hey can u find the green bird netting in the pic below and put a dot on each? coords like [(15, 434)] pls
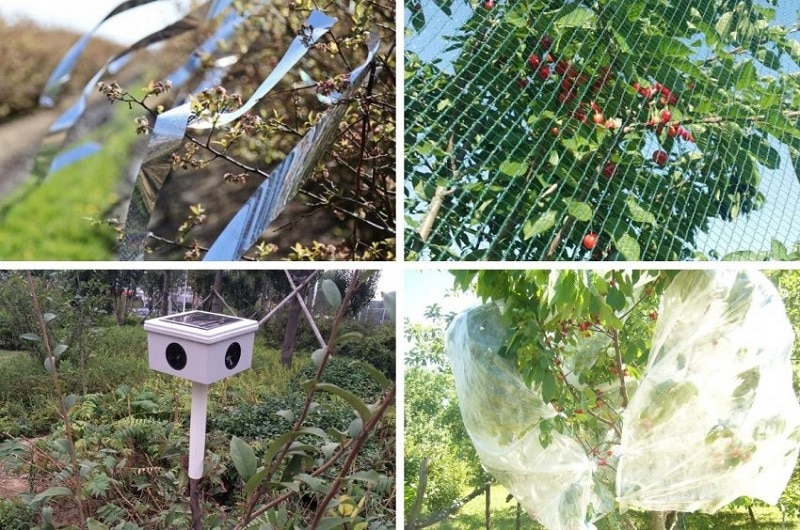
[(606, 129)]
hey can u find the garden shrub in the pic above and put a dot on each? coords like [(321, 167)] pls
[(376, 346), (27, 52), (22, 379), (14, 515), (342, 372), (262, 421)]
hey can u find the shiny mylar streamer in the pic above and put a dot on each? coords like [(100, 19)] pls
[(170, 128), (51, 158), (274, 194)]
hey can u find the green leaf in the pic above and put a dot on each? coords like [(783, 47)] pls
[(579, 210), (778, 251), (254, 482), (317, 485), (769, 58), (723, 25), (48, 365), (317, 356), (31, 336), (548, 386), (244, 458), (354, 401), (376, 374), (444, 5), (355, 428), (49, 493), (70, 400), (747, 76), (59, 350), (332, 294), (576, 17), (95, 525), (616, 299), (48, 316), (513, 169), (542, 224), (628, 247), (638, 213), (762, 150), (277, 444)]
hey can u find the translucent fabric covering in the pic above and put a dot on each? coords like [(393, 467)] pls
[(501, 414), (715, 416)]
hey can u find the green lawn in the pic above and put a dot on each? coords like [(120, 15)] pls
[(55, 219), (504, 515)]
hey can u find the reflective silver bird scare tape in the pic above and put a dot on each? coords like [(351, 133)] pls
[(170, 127), (58, 148), (274, 194), (169, 131)]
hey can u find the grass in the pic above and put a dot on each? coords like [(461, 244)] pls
[(53, 220), (503, 516)]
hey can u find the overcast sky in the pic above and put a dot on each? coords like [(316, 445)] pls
[(81, 16)]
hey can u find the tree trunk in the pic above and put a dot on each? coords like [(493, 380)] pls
[(165, 295), (216, 299), (489, 508), (658, 520), (422, 483)]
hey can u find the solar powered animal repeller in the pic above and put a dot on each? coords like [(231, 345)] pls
[(203, 348)]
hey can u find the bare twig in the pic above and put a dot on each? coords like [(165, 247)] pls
[(77, 480)]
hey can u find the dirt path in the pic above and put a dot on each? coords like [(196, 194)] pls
[(12, 484)]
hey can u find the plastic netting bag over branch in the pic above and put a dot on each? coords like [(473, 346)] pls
[(715, 417), (573, 130), (502, 416)]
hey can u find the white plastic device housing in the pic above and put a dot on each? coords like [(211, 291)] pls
[(205, 349)]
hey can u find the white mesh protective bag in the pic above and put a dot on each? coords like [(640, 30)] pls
[(715, 416), (501, 414)]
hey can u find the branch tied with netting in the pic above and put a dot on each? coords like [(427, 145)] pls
[(635, 130)]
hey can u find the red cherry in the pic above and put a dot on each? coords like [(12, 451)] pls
[(609, 170), (590, 241), (522, 82), (660, 157), (544, 73), (580, 115), (666, 115), (598, 118), (534, 61), (488, 4), (546, 42), (562, 67), (673, 131), (554, 131), (653, 315)]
